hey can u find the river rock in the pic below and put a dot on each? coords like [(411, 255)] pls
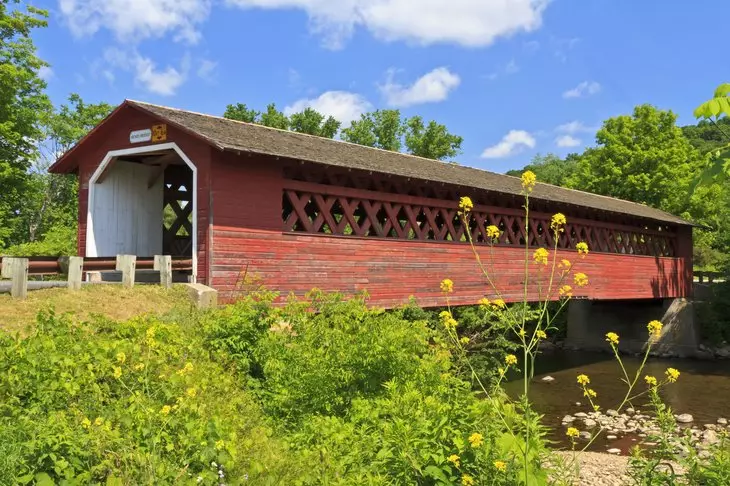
[(630, 411), (547, 379), (611, 437), (568, 419), (722, 421), (589, 422), (709, 437), (581, 415), (611, 413), (723, 352), (614, 451), (685, 418), (585, 435)]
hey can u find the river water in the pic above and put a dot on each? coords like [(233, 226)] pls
[(703, 388)]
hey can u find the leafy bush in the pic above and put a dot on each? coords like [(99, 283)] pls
[(59, 240), (127, 403)]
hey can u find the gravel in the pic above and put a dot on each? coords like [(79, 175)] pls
[(597, 469)]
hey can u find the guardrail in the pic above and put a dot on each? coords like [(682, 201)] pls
[(18, 269), (709, 276)]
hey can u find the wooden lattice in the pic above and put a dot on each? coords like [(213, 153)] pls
[(318, 209), (177, 224)]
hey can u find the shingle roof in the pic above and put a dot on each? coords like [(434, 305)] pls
[(245, 137)]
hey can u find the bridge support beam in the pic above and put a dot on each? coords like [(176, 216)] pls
[(590, 320)]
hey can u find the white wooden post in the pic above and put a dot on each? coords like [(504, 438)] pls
[(5, 267), (127, 264), (19, 274), (75, 271), (163, 263)]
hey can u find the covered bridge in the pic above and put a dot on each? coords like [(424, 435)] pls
[(297, 212)]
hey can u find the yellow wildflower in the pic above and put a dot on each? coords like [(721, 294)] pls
[(500, 371), (465, 204), (86, 423), (541, 334), (191, 392), (672, 374), (450, 324), (447, 286), (454, 459), (121, 357), (464, 340), (522, 332), (541, 256), (528, 180), (117, 372), (484, 302), (185, 369), (580, 279), (493, 232), (582, 248), (139, 366), (98, 421), (655, 328), (565, 265), (583, 380), (444, 315), (510, 359), (165, 410), (498, 304), (557, 222), (572, 432), (566, 291), (612, 338), (476, 439), (467, 480), (590, 393), (500, 466), (650, 380), (219, 445)]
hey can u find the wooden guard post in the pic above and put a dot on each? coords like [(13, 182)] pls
[(16, 269), (127, 265), (163, 264)]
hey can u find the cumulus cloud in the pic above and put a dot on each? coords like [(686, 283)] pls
[(512, 143), (135, 20), (46, 73), (207, 70), (574, 126), (567, 141), (165, 81), (430, 88), (473, 23), (341, 105), (586, 88)]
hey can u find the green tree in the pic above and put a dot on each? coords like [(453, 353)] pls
[(313, 123), (22, 105), (274, 118), (550, 168), (643, 157), (708, 135), (381, 129), (432, 141), (241, 112)]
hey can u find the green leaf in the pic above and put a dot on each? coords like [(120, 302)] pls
[(722, 90), (43, 479), (436, 473), (114, 481)]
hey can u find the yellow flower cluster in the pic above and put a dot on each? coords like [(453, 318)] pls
[(447, 286), (612, 338), (493, 232), (165, 410), (582, 248), (672, 374), (650, 380), (498, 304), (583, 380), (121, 358), (655, 328), (541, 334), (510, 359), (86, 423), (464, 340), (454, 459), (528, 180), (500, 466), (476, 439), (484, 302), (572, 432), (566, 291), (117, 372), (590, 393), (465, 205), (580, 279), (98, 421), (219, 445), (191, 392), (541, 256), (139, 366), (557, 222), (467, 480), (185, 369), (565, 265)]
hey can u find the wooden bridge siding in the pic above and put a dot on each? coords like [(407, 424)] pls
[(115, 136), (247, 238)]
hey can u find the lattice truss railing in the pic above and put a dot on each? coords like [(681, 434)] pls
[(408, 218)]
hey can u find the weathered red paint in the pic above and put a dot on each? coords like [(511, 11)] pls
[(240, 232)]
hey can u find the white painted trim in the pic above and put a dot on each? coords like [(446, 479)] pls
[(91, 243)]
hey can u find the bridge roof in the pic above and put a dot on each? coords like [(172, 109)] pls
[(238, 136)]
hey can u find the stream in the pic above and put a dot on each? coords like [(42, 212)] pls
[(703, 389)]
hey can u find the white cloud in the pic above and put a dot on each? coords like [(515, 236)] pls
[(206, 70), (575, 127), (510, 68), (46, 73), (430, 88), (159, 81), (135, 20), (342, 105), (512, 143), (567, 141), (473, 23), (586, 88)]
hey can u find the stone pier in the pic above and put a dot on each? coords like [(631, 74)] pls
[(590, 320)]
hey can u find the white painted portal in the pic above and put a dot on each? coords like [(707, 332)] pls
[(127, 214)]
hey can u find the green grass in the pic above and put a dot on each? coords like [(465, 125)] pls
[(112, 301)]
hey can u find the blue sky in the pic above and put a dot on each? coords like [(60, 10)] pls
[(513, 77)]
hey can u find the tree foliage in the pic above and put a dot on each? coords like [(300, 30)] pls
[(550, 168), (312, 122), (432, 141), (22, 105), (382, 129)]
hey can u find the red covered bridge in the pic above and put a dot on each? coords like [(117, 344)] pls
[(299, 212)]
